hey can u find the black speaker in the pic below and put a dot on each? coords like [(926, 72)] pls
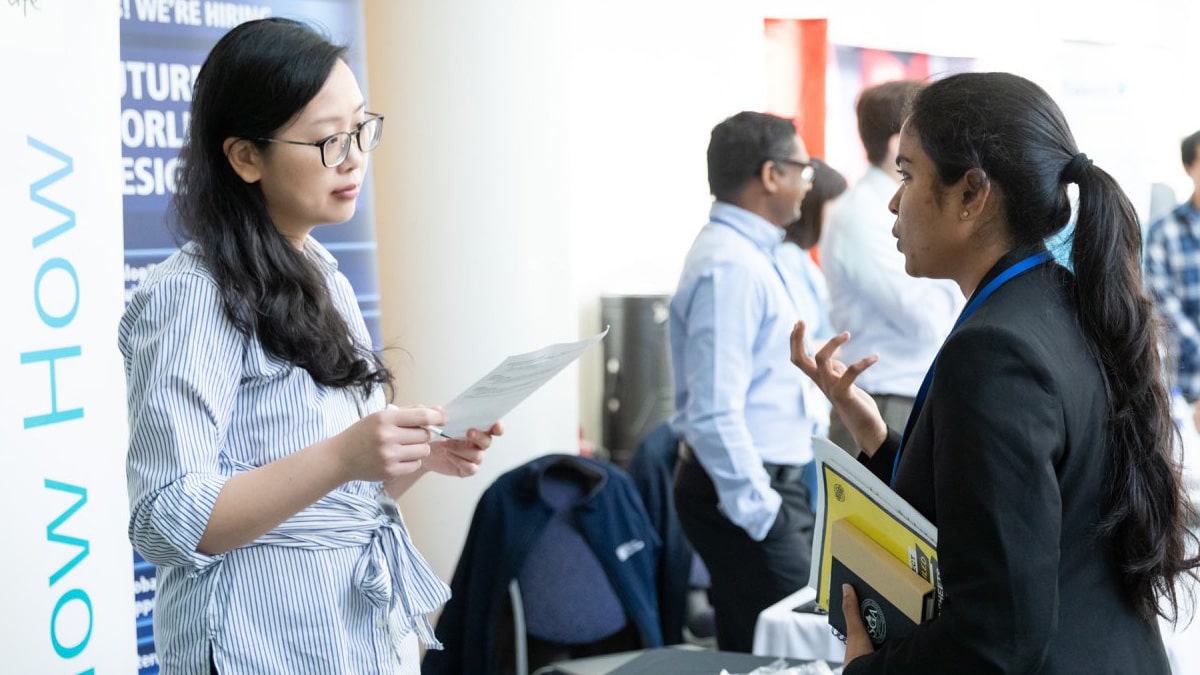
[(637, 371)]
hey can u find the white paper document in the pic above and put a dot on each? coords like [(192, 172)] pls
[(494, 396)]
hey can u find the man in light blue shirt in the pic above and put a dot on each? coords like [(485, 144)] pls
[(741, 411)]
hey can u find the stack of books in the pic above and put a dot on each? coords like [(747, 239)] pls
[(869, 537)]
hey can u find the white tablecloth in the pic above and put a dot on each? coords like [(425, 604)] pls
[(782, 632)]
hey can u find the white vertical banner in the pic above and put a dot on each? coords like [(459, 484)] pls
[(67, 591)]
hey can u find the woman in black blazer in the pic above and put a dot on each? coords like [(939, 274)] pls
[(1042, 443)]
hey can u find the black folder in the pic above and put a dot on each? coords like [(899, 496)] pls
[(892, 598)]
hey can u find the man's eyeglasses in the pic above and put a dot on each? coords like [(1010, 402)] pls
[(335, 148), (807, 169)]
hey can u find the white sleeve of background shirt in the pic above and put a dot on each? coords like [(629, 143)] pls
[(864, 251)]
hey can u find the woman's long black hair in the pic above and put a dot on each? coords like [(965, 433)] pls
[(827, 184), (1010, 127), (257, 78)]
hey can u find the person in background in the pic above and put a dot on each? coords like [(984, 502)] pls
[(802, 234), (263, 458), (1041, 443), (1173, 273), (740, 406), (889, 313), (811, 291)]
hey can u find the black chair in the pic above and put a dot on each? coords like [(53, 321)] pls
[(682, 579), (563, 603)]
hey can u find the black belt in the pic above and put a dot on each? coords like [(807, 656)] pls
[(784, 473)]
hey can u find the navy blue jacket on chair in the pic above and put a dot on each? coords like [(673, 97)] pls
[(652, 469), (507, 521)]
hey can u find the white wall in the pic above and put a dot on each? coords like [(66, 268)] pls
[(649, 79), (474, 237)]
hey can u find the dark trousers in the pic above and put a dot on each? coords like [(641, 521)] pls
[(747, 576)]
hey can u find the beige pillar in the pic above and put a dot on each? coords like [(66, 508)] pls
[(471, 210)]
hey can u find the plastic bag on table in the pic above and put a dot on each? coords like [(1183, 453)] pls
[(782, 667)]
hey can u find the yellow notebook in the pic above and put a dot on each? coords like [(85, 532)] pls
[(850, 496)]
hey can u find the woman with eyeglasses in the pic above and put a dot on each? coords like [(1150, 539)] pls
[(1041, 443), (263, 457)]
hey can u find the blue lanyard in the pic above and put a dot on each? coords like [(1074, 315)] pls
[(1017, 269)]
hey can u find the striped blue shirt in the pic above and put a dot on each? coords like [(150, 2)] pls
[(739, 401), (335, 589), (1173, 275)]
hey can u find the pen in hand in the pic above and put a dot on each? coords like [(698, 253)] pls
[(436, 431)]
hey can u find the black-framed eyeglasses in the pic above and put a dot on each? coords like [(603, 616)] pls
[(335, 148), (807, 169)]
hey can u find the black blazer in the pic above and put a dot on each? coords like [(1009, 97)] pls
[(1008, 458)]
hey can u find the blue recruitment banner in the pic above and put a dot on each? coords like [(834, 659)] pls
[(163, 44)]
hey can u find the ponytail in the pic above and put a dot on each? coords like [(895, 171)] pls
[(1145, 511)]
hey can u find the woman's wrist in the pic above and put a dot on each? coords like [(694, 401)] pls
[(400, 484), (872, 439), (331, 454)]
